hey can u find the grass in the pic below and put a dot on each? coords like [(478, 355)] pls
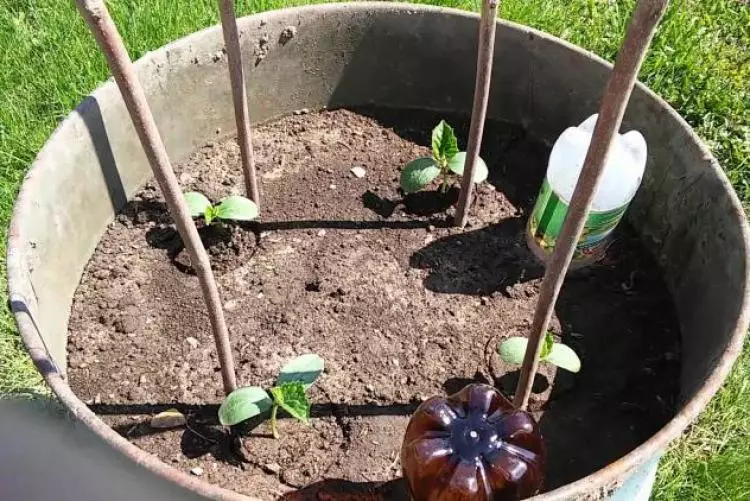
[(700, 63)]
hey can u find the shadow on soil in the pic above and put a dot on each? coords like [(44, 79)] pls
[(345, 490), (421, 204), (202, 434), (456, 384), (207, 413), (507, 383), (165, 236), (461, 263)]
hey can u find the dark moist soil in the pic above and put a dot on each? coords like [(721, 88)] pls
[(400, 306)]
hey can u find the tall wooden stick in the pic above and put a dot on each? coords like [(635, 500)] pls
[(616, 96), (100, 22), (239, 96), (485, 52)]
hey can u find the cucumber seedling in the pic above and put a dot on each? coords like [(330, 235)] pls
[(513, 349), (232, 208), (289, 394), (446, 162)]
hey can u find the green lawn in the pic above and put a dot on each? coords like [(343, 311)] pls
[(700, 63)]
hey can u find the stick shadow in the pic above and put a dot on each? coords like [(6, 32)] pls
[(165, 236), (206, 413), (91, 114), (203, 435)]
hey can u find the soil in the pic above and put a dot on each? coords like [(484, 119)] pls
[(400, 305)]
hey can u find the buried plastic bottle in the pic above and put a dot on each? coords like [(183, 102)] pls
[(620, 180)]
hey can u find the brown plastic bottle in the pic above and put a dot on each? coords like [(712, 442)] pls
[(472, 446)]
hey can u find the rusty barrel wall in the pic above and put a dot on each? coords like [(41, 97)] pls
[(393, 55)]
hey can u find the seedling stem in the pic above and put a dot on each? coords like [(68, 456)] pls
[(274, 429)]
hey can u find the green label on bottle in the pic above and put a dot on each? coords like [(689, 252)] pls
[(545, 225)]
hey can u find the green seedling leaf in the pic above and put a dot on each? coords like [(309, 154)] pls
[(237, 208), (210, 214), (418, 173), (197, 203), (304, 369), (242, 404), (547, 345), (444, 142), (456, 165), (292, 398), (564, 357), (513, 349)]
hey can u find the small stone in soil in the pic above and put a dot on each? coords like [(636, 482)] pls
[(126, 325), (127, 300), (359, 172), (137, 394), (171, 418), (102, 274), (197, 471), (321, 233), (192, 342), (273, 468)]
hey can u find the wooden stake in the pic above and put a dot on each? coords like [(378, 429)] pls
[(485, 52), (100, 22), (239, 96), (616, 96)]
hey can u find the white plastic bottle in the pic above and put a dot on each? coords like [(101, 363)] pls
[(620, 180)]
